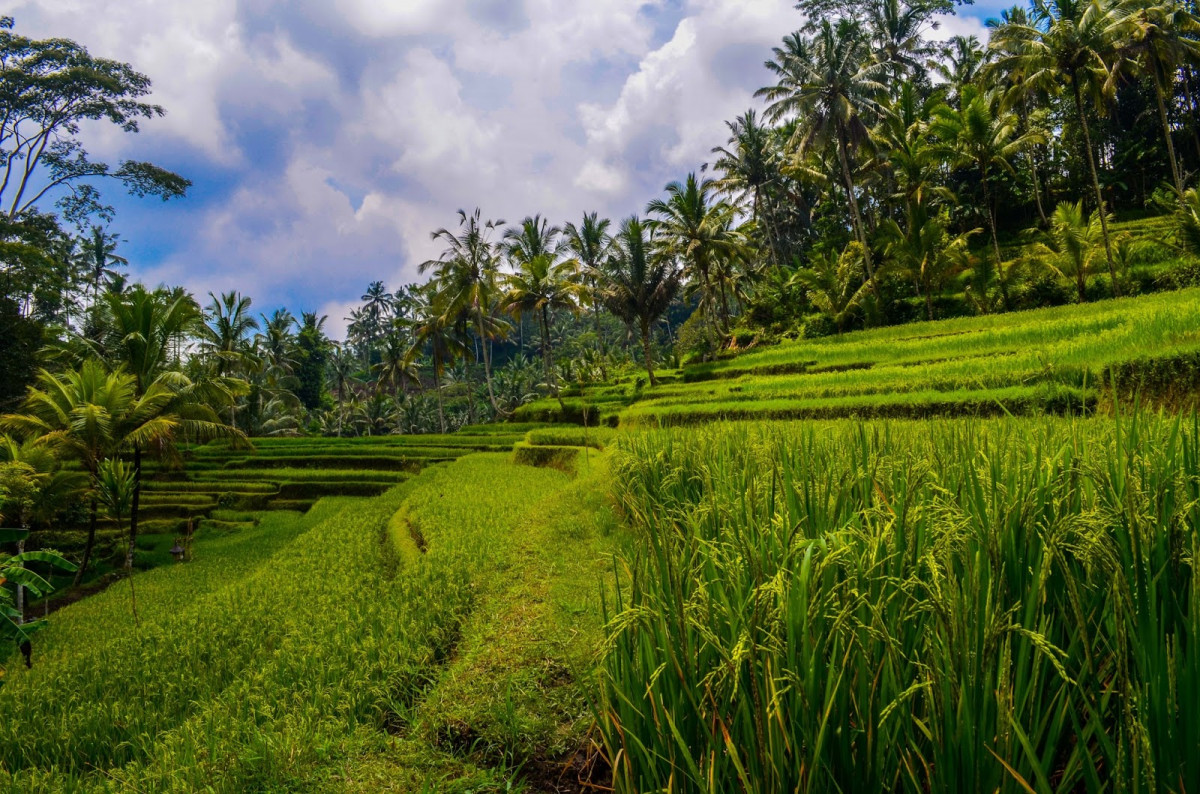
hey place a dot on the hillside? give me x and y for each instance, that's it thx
(1059, 360)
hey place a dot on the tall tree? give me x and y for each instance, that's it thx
(466, 274)
(831, 87)
(1166, 37)
(48, 90)
(590, 243)
(91, 414)
(432, 332)
(542, 283)
(98, 256)
(697, 230)
(980, 134)
(639, 287)
(1075, 44)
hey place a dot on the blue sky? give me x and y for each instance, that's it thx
(326, 140)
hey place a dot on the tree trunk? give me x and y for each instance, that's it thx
(1166, 125)
(550, 381)
(1091, 160)
(487, 360)
(991, 210)
(91, 543)
(133, 509)
(856, 216)
(647, 351)
(928, 304)
(437, 387)
(21, 587)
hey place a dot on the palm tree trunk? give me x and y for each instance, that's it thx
(133, 509)
(1091, 160)
(437, 387)
(91, 543)
(856, 216)
(991, 210)
(487, 360)
(647, 350)
(1166, 125)
(550, 381)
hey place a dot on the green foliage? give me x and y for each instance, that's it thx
(963, 606)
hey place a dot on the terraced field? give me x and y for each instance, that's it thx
(1061, 360)
(217, 481)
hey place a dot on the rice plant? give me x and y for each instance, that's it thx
(1008, 605)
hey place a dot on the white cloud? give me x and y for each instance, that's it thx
(344, 133)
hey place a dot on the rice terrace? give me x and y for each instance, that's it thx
(863, 456)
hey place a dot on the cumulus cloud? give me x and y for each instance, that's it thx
(327, 143)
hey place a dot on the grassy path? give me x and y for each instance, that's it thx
(509, 708)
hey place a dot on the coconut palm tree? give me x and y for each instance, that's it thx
(698, 232)
(589, 244)
(639, 286)
(97, 255)
(142, 329)
(341, 375)
(1076, 45)
(90, 414)
(962, 66)
(749, 164)
(433, 331)
(542, 283)
(835, 283)
(925, 251)
(982, 135)
(1073, 244)
(225, 335)
(1166, 36)
(832, 87)
(466, 274)
(897, 32)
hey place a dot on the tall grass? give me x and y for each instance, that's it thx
(1008, 605)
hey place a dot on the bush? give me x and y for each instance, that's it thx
(546, 457)
(696, 339)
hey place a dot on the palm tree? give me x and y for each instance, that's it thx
(897, 32)
(277, 340)
(835, 283)
(590, 244)
(697, 231)
(1073, 244)
(92, 414)
(466, 274)
(749, 164)
(965, 59)
(1019, 94)
(542, 283)
(1073, 43)
(1165, 35)
(925, 251)
(831, 86)
(341, 371)
(982, 135)
(639, 287)
(98, 256)
(142, 328)
(224, 337)
(394, 367)
(432, 330)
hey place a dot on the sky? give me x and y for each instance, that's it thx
(327, 139)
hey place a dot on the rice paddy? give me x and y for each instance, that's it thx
(1000, 594)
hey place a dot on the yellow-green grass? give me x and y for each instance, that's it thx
(1055, 360)
(310, 653)
(1008, 605)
